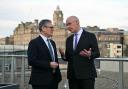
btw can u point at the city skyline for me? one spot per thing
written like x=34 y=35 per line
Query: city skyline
x=104 y=14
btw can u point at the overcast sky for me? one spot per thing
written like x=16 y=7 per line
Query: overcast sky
x=103 y=13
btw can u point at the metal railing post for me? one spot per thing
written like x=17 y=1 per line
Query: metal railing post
x=120 y=80
x=12 y=70
x=3 y=70
x=22 y=72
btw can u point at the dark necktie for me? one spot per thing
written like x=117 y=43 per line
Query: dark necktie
x=75 y=45
x=50 y=50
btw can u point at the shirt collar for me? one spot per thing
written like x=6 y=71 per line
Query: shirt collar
x=80 y=31
x=43 y=37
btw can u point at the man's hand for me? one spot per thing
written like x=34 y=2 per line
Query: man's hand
x=86 y=53
x=61 y=51
x=53 y=65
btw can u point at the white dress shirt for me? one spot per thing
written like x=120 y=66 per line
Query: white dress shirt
x=78 y=37
x=46 y=42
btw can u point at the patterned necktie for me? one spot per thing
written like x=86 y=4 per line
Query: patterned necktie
x=50 y=50
x=75 y=40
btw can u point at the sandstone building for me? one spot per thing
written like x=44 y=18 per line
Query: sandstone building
x=25 y=31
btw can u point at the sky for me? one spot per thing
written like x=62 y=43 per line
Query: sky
x=101 y=13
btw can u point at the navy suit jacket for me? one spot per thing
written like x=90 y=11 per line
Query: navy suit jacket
x=39 y=58
x=78 y=66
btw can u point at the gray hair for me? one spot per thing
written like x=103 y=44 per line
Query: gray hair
x=43 y=23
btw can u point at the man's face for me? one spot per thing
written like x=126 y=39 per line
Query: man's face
x=72 y=25
x=48 y=30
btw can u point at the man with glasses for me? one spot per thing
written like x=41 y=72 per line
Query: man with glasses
x=42 y=56
x=81 y=50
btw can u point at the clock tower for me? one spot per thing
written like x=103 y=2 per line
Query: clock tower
x=58 y=18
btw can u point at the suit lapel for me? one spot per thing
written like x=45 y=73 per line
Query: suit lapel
x=43 y=44
x=81 y=40
x=41 y=41
x=71 y=43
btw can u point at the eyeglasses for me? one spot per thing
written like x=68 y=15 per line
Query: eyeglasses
x=51 y=27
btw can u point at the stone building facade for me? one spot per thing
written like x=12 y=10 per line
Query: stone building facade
x=105 y=37
x=6 y=40
x=60 y=33
x=24 y=32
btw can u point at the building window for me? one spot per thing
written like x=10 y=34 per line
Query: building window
x=118 y=46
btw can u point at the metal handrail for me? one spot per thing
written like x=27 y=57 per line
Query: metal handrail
x=120 y=60
x=13 y=55
x=121 y=69
x=112 y=59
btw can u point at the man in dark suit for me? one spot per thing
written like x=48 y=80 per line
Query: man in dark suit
x=81 y=50
x=42 y=56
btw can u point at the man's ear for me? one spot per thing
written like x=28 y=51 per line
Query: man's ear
x=77 y=22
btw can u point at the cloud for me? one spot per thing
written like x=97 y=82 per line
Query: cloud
x=7 y=27
x=103 y=13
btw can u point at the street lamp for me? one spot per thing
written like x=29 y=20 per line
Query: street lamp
x=122 y=43
x=121 y=71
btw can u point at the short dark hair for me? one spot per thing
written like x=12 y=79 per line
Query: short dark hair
x=43 y=23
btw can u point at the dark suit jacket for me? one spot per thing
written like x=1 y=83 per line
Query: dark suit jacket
x=78 y=66
x=39 y=58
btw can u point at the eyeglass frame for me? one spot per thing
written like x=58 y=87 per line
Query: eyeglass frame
x=51 y=27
